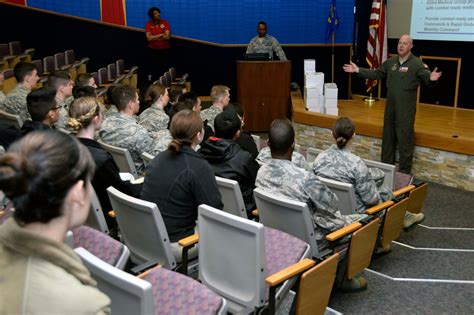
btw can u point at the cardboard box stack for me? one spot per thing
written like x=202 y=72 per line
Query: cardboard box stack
x=313 y=87
x=330 y=99
x=318 y=97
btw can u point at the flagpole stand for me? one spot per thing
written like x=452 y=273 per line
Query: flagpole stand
x=370 y=100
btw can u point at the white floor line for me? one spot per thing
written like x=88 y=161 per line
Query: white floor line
x=435 y=249
x=445 y=228
x=419 y=279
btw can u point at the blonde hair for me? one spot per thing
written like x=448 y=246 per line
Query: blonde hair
x=81 y=113
x=218 y=91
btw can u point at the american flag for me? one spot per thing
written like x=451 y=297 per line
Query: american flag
x=377 y=43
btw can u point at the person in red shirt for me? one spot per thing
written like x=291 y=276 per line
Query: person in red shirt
x=158 y=34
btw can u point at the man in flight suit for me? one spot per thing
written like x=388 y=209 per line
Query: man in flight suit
x=404 y=74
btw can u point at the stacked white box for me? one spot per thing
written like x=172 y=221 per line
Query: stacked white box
x=314 y=79
x=330 y=99
x=309 y=65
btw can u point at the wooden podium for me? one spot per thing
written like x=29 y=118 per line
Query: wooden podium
x=263 y=89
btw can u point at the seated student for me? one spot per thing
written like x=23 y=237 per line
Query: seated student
x=175 y=91
x=47 y=175
x=296 y=158
x=220 y=98
x=61 y=82
x=154 y=117
x=245 y=140
x=122 y=130
x=43 y=110
x=85 y=79
x=83 y=91
x=282 y=177
x=164 y=137
x=178 y=180
x=27 y=78
x=340 y=164
x=228 y=160
x=85 y=119
x=193 y=98
x=111 y=109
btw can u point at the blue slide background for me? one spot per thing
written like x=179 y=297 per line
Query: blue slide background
x=228 y=21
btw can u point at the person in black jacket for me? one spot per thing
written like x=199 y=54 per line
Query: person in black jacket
x=178 y=180
x=85 y=119
x=245 y=140
x=227 y=158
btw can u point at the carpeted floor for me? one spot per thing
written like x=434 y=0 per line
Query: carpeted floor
x=430 y=270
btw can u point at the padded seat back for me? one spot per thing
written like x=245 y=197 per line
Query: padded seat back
x=344 y=192
x=142 y=228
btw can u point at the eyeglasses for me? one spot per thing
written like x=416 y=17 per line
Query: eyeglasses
x=56 y=108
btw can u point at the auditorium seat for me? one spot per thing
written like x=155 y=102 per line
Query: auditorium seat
x=388 y=169
x=48 y=65
x=147 y=158
x=39 y=68
x=294 y=217
x=15 y=120
x=122 y=157
x=158 y=291
x=112 y=75
x=345 y=194
x=81 y=65
x=101 y=245
x=246 y=263
x=258 y=141
x=9 y=82
x=96 y=218
x=144 y=231
x=6 y=57
x=102 y=77
x=315 y=287
x=130 y=75
x=312 y=154
x=60 y=64
x=231 y=197
x=25 y=55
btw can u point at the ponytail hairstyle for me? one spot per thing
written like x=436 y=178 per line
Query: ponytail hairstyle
x=38 y=171
x=81 y=113
x=342 y=131
x=185 y=125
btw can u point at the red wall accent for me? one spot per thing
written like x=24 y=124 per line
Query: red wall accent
x=113 y=11
x=20 y=2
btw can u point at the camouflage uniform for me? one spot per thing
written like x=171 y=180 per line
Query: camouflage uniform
x=282 y=177
x=163 y=139
x=124 y=132
x=63 y=112
x=343 y=166
x=267 y=44
x=209 y=114
x=2 y=99
x=154 y=119
x=298 y=159
x=15 y=102
x=111 y=111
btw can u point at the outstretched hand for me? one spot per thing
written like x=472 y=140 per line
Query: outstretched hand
x=351 y=67
x=435 y=75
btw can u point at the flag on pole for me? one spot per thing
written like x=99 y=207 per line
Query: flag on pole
x=333 y=20
x=377 y=43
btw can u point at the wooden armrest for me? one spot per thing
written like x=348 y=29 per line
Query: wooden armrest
x=189 y=241
x=255 y=212
x=379 y=207
x=144 y=274
x=111 y=213
x=343 y=232
x=289 y=272
x=403 y=190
